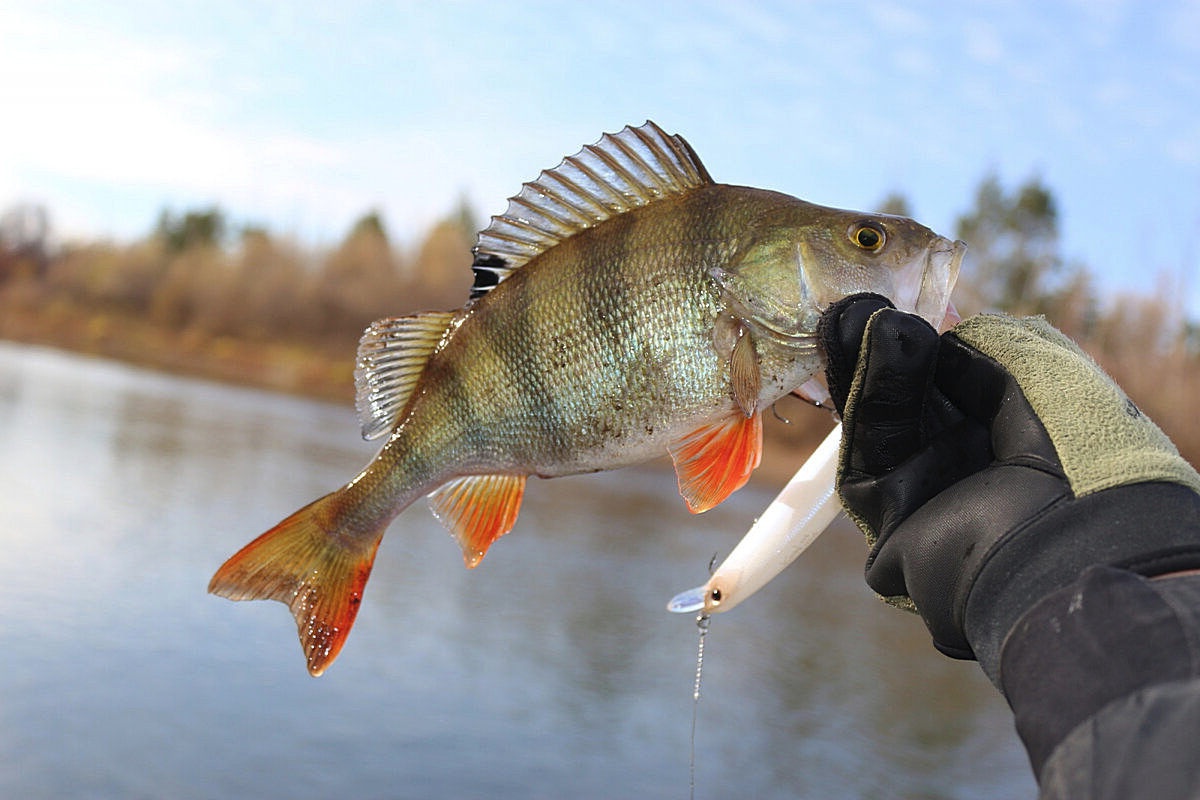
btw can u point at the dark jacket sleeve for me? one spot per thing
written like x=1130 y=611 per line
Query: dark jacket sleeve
x=1104 y=680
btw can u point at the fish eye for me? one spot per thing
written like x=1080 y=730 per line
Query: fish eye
x=868 y=235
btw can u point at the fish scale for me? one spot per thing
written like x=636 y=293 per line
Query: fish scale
x=624 y=306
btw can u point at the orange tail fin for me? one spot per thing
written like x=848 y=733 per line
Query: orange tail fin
x=318 y=575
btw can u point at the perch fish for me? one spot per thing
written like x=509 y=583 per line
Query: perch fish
x=624 y=305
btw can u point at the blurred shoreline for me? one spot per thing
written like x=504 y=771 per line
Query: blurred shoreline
x=293 y=368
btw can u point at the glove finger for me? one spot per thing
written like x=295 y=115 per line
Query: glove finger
x=886 y=410
x=840 y=334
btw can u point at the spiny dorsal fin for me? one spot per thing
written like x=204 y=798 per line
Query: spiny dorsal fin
x=391 y=355
x=619 y=173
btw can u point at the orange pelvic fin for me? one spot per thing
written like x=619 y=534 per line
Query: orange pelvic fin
x=715 y=461
x=478 y=510
x=319 y=576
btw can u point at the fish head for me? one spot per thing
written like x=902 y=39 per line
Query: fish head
x=792 y=268
x=893 y=256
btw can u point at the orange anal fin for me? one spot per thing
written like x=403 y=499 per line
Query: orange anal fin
x=716 y=460
x=318 y=576
x=478 y=510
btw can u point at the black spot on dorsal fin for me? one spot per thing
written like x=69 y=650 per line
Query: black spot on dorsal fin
x=489 y=269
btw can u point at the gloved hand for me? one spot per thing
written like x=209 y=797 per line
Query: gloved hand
x=992 y=465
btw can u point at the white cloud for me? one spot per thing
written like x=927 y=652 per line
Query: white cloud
x=899 y=21
x=1184 y=148
x=95 y=107
x=88 y=107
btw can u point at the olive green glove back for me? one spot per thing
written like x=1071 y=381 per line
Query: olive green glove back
x=1101 y=437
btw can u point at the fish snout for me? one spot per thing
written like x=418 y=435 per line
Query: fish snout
x=942 y=263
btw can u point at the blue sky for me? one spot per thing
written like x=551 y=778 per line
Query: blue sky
x=303 y=116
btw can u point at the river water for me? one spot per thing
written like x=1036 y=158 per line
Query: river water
x=552 y=670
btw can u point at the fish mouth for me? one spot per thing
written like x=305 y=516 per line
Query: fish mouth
x=942 y=263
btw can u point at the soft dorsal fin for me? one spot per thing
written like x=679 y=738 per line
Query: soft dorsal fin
x=620 y=172
x=391 y=355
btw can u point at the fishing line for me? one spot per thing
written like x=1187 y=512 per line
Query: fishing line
x=702 y=621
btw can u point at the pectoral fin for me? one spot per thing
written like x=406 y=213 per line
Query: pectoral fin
x=478 y=510
x=716 y=460
x=744 y=374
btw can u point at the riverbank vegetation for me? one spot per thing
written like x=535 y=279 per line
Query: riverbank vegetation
x=199 y=295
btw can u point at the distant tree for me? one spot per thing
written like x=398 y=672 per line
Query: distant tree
x=1075 y=305
x=443 y=264
x=268 y=291
x=1014 y=247
x=465 y=217
x=197 y=228
x=256 y=233
x=24 y=241
x=358 y=281
x=106 y=274
x=895 y=203
x=369 y=224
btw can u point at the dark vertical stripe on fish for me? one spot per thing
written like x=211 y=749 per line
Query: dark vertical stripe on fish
x=459 y=411
x=522 y=358
x=604 y=287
